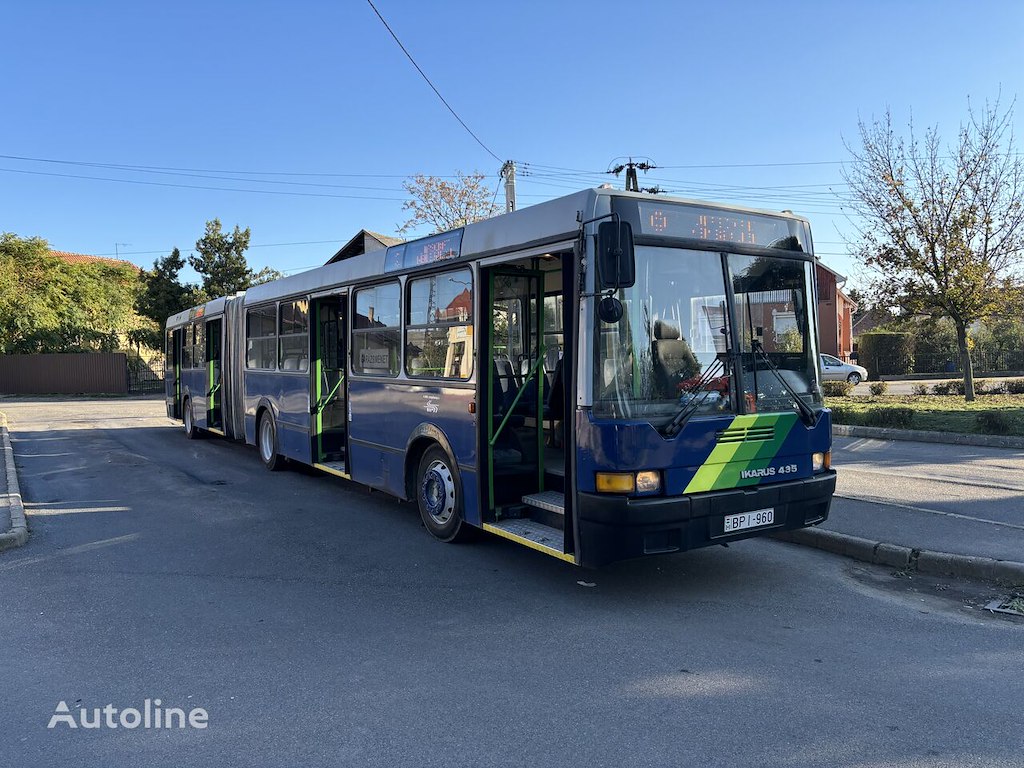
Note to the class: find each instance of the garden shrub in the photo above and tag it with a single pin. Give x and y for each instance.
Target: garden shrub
(878, 388)
(843, 415)
(886, 353)
(950, 387)
(837, 388)
(893, 418)
(1015, 386)
(919, 389)
(994, 422)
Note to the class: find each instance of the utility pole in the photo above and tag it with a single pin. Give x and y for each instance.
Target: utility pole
(117, 254)
(508, 173)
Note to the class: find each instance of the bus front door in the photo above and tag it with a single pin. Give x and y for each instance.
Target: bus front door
(517, 388)
(328, 386)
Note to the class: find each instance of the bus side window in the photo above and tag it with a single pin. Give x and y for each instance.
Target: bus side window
(376, 330)
(261, 338)
(294, 353)
(439, 326)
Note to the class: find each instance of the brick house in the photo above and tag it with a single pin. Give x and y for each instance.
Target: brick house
(835, 313)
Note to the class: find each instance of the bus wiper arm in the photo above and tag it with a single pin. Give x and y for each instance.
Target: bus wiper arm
(807, 415)
(690, 407)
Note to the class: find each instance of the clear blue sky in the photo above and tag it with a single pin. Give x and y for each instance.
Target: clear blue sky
(260, 94)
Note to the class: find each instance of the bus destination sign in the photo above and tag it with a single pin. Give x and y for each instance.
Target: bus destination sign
(421, 253)
(717, 225)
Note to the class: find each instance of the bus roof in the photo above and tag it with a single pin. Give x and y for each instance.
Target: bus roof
(536, 225)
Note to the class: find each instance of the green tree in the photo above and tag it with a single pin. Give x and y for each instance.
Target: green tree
(934, 343)
(441, 204)
(942, 228)
(48, 305)
(164, 294)
(220, 260)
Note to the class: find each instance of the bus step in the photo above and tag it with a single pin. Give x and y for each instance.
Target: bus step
(338, 468)
(550, 501)
(533, 534)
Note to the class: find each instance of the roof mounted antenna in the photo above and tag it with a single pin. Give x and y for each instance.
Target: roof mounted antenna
(630, 167)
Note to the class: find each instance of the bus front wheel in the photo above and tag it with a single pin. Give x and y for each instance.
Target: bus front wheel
(437, 495)
(266, 442)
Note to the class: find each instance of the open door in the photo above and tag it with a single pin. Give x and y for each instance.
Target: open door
(515, 399)
(517, 427)
(172, 373)
(329, 387)
(214, 376)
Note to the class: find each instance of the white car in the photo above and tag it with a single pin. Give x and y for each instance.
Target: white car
(834, 369)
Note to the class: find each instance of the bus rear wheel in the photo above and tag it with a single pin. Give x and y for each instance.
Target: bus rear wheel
(266, 443)
(188, 421)
(438, 496)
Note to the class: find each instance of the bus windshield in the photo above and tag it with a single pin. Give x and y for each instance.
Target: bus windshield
(775, 332)
(680, 350)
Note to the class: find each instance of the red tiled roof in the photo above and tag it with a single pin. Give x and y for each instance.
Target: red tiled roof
(82, 258)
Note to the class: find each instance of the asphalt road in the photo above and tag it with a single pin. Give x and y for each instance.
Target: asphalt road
(318, 624)
(947, 498)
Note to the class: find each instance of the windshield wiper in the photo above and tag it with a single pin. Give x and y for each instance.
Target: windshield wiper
(807, 415)
(690, 407)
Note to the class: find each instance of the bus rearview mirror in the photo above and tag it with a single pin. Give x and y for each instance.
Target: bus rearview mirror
(616, 267)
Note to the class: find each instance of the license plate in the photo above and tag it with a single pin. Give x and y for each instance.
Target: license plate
(744, 520)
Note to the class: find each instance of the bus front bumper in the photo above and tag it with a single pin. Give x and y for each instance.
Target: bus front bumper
(620, 527)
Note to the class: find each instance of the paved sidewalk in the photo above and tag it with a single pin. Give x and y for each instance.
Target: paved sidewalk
(13, 528)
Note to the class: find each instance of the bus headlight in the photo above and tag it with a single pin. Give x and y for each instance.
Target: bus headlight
(648, 482)
(821, 461)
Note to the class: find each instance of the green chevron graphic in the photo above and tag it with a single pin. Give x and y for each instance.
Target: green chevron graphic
(724, 467)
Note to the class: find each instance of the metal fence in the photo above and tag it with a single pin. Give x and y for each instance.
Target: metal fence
(145, 378)
(984, 361)
(891, 363)
(64, 374)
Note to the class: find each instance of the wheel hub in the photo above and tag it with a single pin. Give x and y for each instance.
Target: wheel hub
(438, 492)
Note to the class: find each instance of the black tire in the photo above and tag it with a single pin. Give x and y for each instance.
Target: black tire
(854, 378)
(266, 443)
(188, 420)
(439, 495)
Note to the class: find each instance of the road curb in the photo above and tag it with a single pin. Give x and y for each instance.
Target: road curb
(18, 535)
(903, 558)
(926, 436)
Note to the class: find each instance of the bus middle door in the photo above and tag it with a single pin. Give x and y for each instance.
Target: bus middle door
(328, 387)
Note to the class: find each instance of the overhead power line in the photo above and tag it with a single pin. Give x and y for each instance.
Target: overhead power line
(123, 167)
(200, 186)
(432, 86)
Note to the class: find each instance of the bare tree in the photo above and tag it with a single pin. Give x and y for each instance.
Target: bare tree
(942, 228)
(444, 204)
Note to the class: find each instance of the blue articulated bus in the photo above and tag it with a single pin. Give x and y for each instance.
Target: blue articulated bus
(603, 376)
